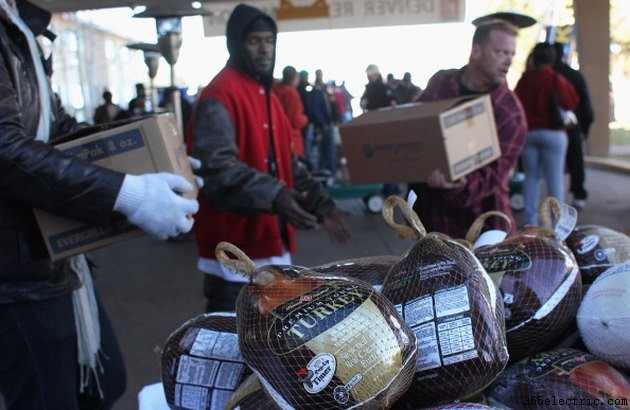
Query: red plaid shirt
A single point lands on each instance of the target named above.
(452, 211)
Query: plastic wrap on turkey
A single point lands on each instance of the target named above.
(201, 363)
(540, 284)
(250, 396)
(371, 269)
(561, 379)
(317, 341)
(597, 248)
(445, 295)
(604, 316)
(463, 406)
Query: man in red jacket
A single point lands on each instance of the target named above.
(256, 191)
(287, 93)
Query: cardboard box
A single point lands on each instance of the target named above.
(406, 143)
(145, 146)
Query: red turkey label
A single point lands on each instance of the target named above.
(298, 322)
(318, 373)
(587, 244)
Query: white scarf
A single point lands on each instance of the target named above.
(87, 324)
(84, 299)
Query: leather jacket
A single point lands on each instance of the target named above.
(34, 174)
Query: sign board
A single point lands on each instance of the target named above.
(302, 15)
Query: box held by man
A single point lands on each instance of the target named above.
(406, 143)
(148, 145)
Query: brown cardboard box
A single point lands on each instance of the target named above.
(406, 143)
(145, 146)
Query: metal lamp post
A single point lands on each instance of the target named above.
(168, 23)
(152, 60)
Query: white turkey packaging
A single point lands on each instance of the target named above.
(604, 316)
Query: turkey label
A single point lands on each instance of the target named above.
(453, 335)
(348, 333)
(317, 311)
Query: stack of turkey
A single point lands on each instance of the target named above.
(446, 325)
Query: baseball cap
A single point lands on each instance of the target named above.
(515, 19)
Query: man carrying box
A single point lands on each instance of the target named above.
(57, 348)
(451, 207)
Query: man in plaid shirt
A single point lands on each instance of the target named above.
(451, 207)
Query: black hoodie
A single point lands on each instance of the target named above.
(242, 16)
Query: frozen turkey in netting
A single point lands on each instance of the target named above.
(540, 284)
(451, 304)
(201, 362)
(320, 341)
(560, 379)
(603, 318)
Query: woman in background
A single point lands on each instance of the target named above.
(546, 142)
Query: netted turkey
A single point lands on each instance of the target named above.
(603, 318)
(250, 396)
(320, 341)
(561, 379)
(201, 362)
(371, 269)
(451, 304)
(540, 284)
(597, 248)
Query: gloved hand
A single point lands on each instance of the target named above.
(152, 203)
(336, 226)
(286, 205)
(195, 164)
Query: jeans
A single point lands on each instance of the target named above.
(575, 163)
(220, 294)
(309, 145)
(543, 157)
(327, 150)
(38, 358)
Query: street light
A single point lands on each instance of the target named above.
(152, 60)
(168, 24)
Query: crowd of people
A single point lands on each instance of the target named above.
(255, 143)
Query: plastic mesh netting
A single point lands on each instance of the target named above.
(371, 269)
(454, 309)
(321, 341)
(597, 248)
(540, 284)
(561, 378)
(603, 318)
(201, 362)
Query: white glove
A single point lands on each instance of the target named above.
(195, 164)
(152, 203)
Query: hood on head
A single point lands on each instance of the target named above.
(242, 16)
(36, 18)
